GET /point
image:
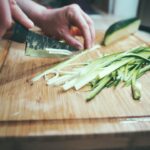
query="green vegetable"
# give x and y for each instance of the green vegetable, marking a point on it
(64, 64)
(104, 72)
(135, 86)
(98, 88)
(121, 29)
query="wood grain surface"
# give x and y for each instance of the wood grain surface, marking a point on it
(41, 117)
(4, 48)
(21, 101)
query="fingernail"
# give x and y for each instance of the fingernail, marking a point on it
(79, 46)
(88, 46)
(93, 43)
(31, 24)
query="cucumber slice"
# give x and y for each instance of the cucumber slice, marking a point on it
(121, 29)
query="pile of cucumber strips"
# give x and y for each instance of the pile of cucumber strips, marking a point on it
(106, 71)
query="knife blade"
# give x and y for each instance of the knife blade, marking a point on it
(38, 45)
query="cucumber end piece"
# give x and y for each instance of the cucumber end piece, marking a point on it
(120, 29)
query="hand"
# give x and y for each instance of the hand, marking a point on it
(9, 10)
(57, 23)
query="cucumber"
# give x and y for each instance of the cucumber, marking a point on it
(121, 29)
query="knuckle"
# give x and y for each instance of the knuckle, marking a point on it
(72, 10)
(70, 13)
(74, 7)
(61, 32)
(12, 2)
(90, 22)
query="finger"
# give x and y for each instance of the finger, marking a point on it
(5, 17)
(71, 40)
(78, 20)
(20, 16)
(91, 26)
(83, 26)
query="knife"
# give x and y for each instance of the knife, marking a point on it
(38, 45)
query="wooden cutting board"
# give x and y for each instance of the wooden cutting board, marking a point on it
(4, 47)
(21, 101)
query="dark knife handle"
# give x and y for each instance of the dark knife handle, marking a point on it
(17, 33)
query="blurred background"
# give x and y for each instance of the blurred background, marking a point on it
(120, 8)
